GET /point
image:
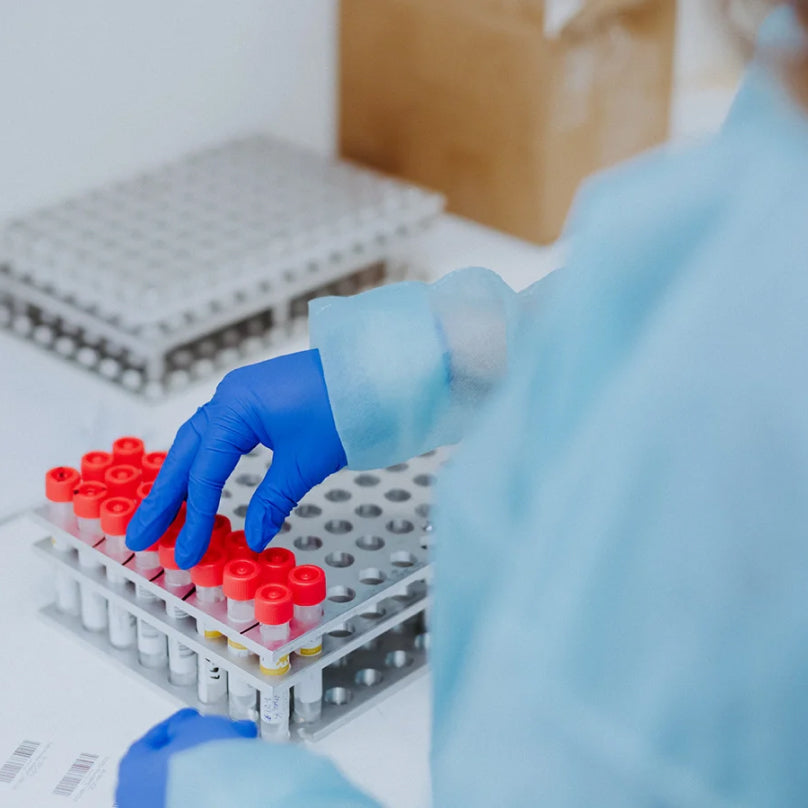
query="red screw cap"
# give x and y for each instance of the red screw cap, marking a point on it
(276, 564)
(210, 570)
(128, 451)
(307, 583)
(60, 483)
(221, 529)
(94, 466)
(235, 545)
(151, 465)
(242, 577)
(115, 515)
(143, 491)
(122, 481)
(165, 549)
(273, 604)
(88, 498)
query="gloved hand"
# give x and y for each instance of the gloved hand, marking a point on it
(143, 770)
(282, 403)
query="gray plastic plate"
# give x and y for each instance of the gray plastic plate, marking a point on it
(177, 273)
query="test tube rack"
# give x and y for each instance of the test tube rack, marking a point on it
(182, 272)
(369, 531)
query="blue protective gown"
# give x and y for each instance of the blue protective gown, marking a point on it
(621, 537)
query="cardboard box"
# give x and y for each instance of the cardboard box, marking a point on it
(474, 98)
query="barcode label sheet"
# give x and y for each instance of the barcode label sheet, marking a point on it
(54, 772)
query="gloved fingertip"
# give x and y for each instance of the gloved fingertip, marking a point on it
(137, 537)
(186, 557)
(182, 714)
(247, 729)
(259, 531)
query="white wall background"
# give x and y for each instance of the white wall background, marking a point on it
(92, 90)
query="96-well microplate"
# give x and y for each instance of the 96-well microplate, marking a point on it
(183, 271)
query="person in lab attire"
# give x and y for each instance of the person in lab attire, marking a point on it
(622, 536)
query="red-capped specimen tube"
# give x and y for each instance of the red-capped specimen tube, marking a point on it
(60, 483)
(143, 490)
(235, 545)
(147, 562)
(116, 513)
(307, 584)
(221, 529)
(87, 507)
(151, 465)
(175, 578)
(122, 480)
(276, 563)
(181, 663)
(94, 465)
(241, 579)
(128, 450)
(273, 610)
(208, 577)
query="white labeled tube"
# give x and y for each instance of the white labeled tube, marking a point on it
(275, 715)
(67, 593)
(152, 651)
(242, 699)
(152, 648)
(60, 486)
(211, 681)
(308, 700)
(93, 605)
(122, 626)
(174, 611)
(181, 663)
(208, 578)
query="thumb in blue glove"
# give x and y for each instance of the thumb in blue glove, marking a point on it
(281, 403)
(143, 770)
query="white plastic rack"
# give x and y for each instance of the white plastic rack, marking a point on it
(183, 271)
(369, 531)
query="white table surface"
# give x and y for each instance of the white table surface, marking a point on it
(53, 686)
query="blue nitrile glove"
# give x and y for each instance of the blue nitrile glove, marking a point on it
(143, 770)
(281, 403)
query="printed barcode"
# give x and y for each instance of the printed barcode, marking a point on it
(19, 757)
(75, 774)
